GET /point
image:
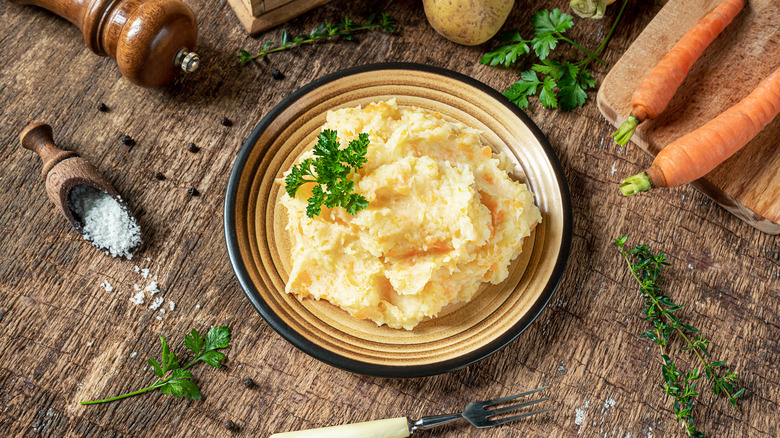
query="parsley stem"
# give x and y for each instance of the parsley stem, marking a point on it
(587, 52)
(155, 385)
(608, 36)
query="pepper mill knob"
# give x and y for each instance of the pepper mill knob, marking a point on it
(151, 40)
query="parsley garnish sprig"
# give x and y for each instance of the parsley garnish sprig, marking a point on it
(562, 84)
(324, 31)
(659, 311)
(330, 171)
(172, 378)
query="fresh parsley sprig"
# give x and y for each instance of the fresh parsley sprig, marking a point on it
(177, 382)
(562, 84)
(324, 31)
(330, 171)
(659, 310)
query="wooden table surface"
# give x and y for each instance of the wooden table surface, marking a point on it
(63, 338)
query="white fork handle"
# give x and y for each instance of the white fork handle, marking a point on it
(389, 428)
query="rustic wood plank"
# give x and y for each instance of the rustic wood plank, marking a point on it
(65, 339)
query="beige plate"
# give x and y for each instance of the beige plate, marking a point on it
(259, 246)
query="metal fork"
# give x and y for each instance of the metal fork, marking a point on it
(479, 414)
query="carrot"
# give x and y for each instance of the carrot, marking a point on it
(698, 152)
(654, 93)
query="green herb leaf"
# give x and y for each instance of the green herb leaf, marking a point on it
(549, 28)
(547, 96)
(177, 382)
(330, 170)
(217, 337)
(194, 342)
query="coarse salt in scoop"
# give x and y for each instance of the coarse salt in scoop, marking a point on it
(83, 195)
(105, 223)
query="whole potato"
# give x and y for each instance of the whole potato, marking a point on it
(467, 22)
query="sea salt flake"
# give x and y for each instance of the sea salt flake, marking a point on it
(105, 223)
(162, 310)
(145, 273)
(89, 344)
(197, 306)
(133, 354)
(138, 298)
(107, 286)
(157, 303)
(152, 288)
(159, 318)
(172, 305)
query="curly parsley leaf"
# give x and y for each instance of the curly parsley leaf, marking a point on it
(178, 383)
(330, 170)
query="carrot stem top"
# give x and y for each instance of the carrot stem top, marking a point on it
(626, 130)
(636, 184)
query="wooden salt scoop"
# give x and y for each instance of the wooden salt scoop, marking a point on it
(151, 40)
(64, 170)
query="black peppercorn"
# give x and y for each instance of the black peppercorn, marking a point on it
(102, 107)
(276, 74)
(192, 191)
(127, 140)
(248, 382)
(226, 122)
(230, 425)
(192, 148)
(159, 176)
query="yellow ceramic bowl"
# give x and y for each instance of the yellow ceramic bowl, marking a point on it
(259, 246)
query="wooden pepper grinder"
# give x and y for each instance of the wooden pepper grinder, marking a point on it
(151, 40)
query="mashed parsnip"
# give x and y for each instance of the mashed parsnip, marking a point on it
(443, 217)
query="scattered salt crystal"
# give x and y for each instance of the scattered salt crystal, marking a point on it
(136, 287)
(159, 318)
(148, 259)
(580, 413)
(89, 344)
(172, 305)
(145, 273)
(156, 304)
(136, 268)
(152, 288)
(197, 306)
(138, 298)
(107, 286)
(162, 310)
(133, 354)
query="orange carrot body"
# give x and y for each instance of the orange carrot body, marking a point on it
(699, 152)
(654, 93)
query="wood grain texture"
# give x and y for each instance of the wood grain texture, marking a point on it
(746, 52)
(64, 339)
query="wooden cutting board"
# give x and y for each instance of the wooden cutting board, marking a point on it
(748, 183)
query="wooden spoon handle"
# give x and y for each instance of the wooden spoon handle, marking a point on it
(38, 137)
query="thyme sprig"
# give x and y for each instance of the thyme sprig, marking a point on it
(325, 31)
(659, 310)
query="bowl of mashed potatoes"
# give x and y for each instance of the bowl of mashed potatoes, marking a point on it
(462, 243)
